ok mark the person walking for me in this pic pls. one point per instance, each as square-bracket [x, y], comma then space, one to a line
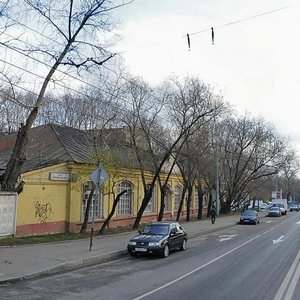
[213, 213]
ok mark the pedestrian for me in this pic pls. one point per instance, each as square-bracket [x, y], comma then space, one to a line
[213, 213]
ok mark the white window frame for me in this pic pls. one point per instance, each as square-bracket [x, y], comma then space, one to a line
[125, 203]
[196, 199]
[177, 197]
[168, 199]
[151, 204]
[205, 200]
[96, 203]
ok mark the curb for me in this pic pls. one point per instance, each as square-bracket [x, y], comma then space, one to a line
[69, 266]
[93, 260]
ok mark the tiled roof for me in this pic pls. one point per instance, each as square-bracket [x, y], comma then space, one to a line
[47, 145]
[51, 144]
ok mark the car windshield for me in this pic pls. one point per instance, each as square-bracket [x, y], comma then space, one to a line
[249, 213]
[274, 208]
[156, 229]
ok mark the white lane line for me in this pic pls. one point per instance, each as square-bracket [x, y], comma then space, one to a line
[280, 239]
[293, 284]
[287, 279]
[195, 270]
[226, 237]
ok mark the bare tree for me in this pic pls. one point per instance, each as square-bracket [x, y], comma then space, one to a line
[144, 126]
[289, 173]
[192, 95]
[250, 150]
[76, 26]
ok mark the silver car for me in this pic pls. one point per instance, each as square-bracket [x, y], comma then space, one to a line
[274, 211]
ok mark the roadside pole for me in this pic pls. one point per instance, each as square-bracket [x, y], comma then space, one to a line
[99, 176]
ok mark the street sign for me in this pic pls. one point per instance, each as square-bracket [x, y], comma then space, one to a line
[99, 176]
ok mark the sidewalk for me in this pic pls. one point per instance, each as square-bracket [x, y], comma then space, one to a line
[24, 262]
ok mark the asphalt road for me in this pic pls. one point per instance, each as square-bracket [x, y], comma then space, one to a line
[244, 262]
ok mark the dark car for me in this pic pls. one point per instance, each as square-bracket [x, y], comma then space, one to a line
[294, 207]
[274, 211]
[250, 217]
[158, 238]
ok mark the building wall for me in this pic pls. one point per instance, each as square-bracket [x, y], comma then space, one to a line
[42, 204]
[53, 203]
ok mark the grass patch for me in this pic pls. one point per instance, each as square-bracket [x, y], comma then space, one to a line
[39, 239]
[58, 237]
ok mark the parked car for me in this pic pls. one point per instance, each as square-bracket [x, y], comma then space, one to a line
[281, 207]
[158, 238]
[282, 202]
[250, 217]
[274, 211]
[294, 207]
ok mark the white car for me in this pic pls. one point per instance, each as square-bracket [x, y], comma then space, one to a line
[281, 206]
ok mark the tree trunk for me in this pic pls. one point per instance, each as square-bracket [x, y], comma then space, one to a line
[144, 204]
[200, 204]
[87, 210]
[209, 205]
[188, 204]
[17, 159]
[181, 204]
[200, 198]
[162, 204]
[116, 201]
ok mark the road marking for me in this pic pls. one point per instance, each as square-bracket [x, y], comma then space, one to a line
[278, 240]
[207, 264]
[289, 281]
[269, 222]
[298, 222]
[226, 237]
[195, 270]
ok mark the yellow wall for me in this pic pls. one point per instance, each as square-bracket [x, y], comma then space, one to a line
[59, 203]
[42, 200]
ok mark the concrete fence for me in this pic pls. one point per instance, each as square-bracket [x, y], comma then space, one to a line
[8, 213]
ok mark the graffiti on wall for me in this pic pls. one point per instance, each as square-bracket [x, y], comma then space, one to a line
[43, 211]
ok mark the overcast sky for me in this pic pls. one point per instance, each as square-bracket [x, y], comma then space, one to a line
[254, 60]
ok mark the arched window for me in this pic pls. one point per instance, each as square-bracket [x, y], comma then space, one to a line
[177, 197]
[125, 202]
[167, 199]
[151, 204]
[96, 204]
[205, 200]
[196, 198]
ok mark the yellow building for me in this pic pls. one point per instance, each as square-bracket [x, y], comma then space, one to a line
[57, 184]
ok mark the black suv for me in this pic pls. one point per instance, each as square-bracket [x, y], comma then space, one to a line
[158, 238]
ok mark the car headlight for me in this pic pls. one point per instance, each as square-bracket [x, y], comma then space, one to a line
[154, 244]
[132, 243]
[242, 218]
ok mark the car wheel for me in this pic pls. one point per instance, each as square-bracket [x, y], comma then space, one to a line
[166, 251]
[183, 246]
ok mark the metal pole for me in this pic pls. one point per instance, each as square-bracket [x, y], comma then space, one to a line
[217, 182]
[94, 205]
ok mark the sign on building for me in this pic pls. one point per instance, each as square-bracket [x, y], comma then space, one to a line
[8, 213]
